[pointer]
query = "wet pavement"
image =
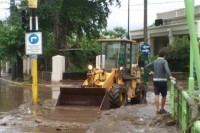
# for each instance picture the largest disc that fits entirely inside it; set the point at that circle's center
(19, 115)
(140, 118)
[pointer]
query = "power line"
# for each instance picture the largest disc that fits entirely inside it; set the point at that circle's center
(156, 3)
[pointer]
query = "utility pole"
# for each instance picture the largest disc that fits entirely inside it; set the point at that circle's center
(146, 55)
(145, 21)
(12, 6)
(128, 17)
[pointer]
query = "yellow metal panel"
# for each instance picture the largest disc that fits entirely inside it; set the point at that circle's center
(133, 87)
(109, 81)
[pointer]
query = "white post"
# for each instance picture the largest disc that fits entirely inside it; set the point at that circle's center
(58, 67)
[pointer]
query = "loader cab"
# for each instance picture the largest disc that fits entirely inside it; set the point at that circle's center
(118, 53)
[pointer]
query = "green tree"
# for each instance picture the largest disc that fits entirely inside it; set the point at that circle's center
(67, 17)
(117, 32)
(48, 50)
(12, 47)
(84, 53)
(178, 55)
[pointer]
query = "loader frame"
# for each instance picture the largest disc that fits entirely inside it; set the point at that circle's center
(116, 78)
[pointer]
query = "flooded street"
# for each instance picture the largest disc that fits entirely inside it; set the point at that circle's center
(140, 118)
(19, 115)
(10, 97)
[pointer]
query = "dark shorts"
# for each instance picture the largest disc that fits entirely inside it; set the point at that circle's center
(160, 87)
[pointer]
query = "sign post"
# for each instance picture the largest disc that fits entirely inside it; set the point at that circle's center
(34, 47)
(145, 49)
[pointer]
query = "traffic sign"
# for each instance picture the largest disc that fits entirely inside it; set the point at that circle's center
(33, 42)
(145, 48)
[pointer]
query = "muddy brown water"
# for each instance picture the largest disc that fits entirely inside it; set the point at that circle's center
(19, 115)
(10, 97)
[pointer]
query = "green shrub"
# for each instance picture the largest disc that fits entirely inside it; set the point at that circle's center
(178, 55)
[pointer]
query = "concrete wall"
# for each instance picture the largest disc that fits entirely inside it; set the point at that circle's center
(175, 13)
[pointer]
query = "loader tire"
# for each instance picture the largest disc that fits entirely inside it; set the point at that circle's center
(117, 96)
(143, 98)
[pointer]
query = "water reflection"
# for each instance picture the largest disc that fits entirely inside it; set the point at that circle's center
(10, 97)
(55, 92)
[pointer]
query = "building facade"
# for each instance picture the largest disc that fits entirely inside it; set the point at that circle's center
(167, 26)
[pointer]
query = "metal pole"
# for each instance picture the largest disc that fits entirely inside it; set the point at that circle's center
(194, 44)
(191, 78)
(146, 57)
(128, 17)
(34, 62)
(145, 21)
(12, 6)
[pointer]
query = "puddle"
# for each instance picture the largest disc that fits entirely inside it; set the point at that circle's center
(79, 114)
(46, 118)
(17, 110)
(11, 97)
(40, 130)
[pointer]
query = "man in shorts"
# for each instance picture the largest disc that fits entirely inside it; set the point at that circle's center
(161, 74)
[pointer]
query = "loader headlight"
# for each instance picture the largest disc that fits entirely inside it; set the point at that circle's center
(121, 68)
(90, 67)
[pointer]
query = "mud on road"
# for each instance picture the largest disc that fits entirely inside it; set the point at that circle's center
(45, 117)
(140, 118)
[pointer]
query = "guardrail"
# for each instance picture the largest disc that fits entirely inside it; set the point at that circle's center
(184, 109)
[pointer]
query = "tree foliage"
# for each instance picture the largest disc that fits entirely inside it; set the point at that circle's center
(60, 21)
(117, 32)
(178, 54)
(84, 53)
(12, 48)
(67, 17)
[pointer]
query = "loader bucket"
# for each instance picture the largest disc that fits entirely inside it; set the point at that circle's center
(83, 97)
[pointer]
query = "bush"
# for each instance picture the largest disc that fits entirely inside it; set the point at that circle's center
(178, 55)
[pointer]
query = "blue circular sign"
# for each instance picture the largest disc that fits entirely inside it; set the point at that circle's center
(33, 39)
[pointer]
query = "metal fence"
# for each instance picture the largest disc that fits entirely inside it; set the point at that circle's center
(184, 109)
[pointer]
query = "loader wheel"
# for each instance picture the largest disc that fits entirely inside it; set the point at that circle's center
(117, 96)
(141, 97)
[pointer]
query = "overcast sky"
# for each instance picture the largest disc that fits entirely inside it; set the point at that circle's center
(4, 6)
(119, 15)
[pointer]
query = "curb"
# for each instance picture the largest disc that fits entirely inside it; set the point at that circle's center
(10, 81)
(20, 83)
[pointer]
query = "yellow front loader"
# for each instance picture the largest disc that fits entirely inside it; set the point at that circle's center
(115, 80)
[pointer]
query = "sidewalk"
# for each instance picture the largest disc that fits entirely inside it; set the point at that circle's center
(7, 77)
